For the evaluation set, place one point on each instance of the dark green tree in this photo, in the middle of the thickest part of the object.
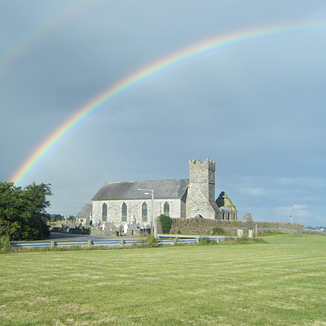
(165, 222)
(22, 211)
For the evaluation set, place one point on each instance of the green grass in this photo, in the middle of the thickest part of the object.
(282, 282)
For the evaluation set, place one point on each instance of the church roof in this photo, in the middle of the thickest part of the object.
(163, 189)
(224, 201)
(85, 212)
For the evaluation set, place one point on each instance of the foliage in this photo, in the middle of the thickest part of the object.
(4, 243)
(151, 241)
(218, 231)
(22, 211)
(71, 218)
(56, 217)
(166, 223)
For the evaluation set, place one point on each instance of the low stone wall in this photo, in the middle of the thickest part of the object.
(205, 226)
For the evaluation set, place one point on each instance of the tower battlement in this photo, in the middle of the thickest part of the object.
(210, 163)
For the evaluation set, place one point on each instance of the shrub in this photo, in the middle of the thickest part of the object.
(4, 243)
(151, 241)
(218, 231)
(166, 223)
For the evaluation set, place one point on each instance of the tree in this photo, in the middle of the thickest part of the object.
(22, 211)
(166, 223)
(56, 218)
(71, 218)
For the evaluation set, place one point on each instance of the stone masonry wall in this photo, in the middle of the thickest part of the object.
(205, 226)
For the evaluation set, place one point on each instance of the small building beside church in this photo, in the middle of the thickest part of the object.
(132, 206)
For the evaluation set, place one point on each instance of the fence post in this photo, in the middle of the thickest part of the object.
(89, 243)
(53, 244)
(122, 242)
(176, 240)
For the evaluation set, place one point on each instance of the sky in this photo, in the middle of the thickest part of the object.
(256, 107)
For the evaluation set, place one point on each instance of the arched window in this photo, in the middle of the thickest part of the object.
(124, 212)
(166, 209)
(104, 212)
(144, 212)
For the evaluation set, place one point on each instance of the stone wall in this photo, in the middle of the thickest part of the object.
(134, 211)
(205, 226)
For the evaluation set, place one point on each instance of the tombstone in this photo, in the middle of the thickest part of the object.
(240, 233)
(250, 233)
(125, 228)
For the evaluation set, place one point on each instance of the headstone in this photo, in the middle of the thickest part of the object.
(240, 233)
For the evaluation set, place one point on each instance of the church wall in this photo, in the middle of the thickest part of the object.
(134, 211)
(201, 206)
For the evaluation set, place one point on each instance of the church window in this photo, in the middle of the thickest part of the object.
(166, 209)
(124, 212)
(104, 212)
(144, 212)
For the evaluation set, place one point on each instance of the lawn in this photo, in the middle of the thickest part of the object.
(282, 282)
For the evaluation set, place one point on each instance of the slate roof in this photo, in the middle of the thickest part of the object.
(85, 212)
(126, 190)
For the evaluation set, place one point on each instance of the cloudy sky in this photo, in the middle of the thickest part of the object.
(256, 108)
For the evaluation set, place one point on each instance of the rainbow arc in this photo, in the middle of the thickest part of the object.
(195, 51)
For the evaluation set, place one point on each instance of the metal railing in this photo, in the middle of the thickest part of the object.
(163, 239)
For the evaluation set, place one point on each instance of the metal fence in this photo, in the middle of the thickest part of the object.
(115, 242)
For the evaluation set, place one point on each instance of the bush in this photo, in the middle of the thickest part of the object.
(4, 243)
(218, 231)
(166, 223)
(151, 241)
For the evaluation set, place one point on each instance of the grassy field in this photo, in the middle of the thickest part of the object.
(282, 282)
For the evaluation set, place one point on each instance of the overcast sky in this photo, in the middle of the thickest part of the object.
(257, 109)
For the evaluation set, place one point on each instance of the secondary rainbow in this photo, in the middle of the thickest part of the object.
(194, 51)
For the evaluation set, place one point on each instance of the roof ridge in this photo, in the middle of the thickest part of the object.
(133, 181)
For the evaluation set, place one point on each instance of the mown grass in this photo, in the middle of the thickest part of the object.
(279, 283)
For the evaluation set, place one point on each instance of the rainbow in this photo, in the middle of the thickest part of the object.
(194, 51)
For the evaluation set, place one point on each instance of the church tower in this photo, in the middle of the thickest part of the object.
(201, 191)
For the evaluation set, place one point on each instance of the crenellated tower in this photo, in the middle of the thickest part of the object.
(202, 177)
(201, 191)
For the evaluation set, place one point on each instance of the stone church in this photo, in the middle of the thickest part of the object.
(132, 206)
